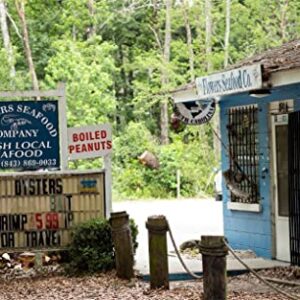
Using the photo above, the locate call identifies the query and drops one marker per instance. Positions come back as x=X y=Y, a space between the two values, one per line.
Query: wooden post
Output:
x=214 y=253
x=122 y=241
x=158 y=253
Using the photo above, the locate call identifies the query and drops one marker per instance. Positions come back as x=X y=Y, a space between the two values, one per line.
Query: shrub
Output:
x=91 y=249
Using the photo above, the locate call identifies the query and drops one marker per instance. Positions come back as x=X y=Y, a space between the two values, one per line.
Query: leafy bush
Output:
x=190 y=151
x=91 y=249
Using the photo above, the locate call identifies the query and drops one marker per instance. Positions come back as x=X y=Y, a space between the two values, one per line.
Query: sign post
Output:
x=108 y=184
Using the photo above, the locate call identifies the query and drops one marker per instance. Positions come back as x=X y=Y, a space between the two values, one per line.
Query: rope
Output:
x=289 y=296
x=179 y=256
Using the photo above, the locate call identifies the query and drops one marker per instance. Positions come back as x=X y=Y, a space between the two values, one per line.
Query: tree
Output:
x=91 y=30
x=164 y=119
x=6 y=39
x=21 y=12
x=227 y=34
x=208 y=35
x=189 y=40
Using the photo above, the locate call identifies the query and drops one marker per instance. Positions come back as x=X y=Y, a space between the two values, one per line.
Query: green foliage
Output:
x=110 y=56
x=88 y=69
x=190 y=152
x=91 y=249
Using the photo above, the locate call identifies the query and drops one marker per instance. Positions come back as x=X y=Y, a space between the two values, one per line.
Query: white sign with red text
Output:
x=89 y=141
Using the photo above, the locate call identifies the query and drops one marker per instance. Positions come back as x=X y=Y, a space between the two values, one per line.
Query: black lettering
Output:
x=52 y=184
x=18 y=187
x=41 y=242
x=55 y=238
x=4 y=240
x=11 y=239
x=15 y=222
x=59 y=186
x=69 y=198
x=27 y=234
x=32 y=187
x=38 y=184
x=4 y=223
x=33 y=239
x=45 y=186
x=49 y=238
x=23 y=222
x=44 y=238
x=24 y=187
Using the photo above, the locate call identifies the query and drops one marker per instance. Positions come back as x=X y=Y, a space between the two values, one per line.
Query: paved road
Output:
x=188 y=218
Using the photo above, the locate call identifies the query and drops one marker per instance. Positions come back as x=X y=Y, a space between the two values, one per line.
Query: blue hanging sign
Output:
x=29 y=135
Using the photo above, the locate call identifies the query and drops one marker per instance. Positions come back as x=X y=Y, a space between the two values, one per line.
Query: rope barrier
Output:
x=262 y=279
x=179 y=256
x=289 y=296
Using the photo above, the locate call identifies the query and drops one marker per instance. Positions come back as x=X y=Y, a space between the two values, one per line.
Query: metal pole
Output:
x=178 y=183
x=158 y=253
x=214 y=251
x=108 y=185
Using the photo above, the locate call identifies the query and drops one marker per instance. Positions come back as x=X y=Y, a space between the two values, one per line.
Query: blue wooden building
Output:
x=259 y=109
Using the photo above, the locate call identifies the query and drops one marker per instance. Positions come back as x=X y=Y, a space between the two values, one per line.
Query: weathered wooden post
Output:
x=122 y=240
x=158 y=252
x=214 y=251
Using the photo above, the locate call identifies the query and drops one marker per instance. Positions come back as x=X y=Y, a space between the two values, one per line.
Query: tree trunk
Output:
x=208 y=35
x=189 y=38
x=91 y=30
x=164 y=118
x=227 y=34
x=283 y=19
x=21 y=12
x=6 y=39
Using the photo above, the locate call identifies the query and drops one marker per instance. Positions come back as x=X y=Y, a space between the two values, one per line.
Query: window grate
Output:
x=243 y=149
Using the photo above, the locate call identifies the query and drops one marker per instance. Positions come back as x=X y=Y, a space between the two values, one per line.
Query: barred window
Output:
x=242 y=176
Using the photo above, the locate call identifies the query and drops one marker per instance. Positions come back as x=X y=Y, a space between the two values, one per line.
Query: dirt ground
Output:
x=108 y=286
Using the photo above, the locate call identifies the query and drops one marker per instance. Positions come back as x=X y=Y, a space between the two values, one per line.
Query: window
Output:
x=242 y=176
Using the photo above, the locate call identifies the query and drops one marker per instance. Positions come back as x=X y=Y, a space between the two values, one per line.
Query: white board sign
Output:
x=235 y=81
x=89 y=141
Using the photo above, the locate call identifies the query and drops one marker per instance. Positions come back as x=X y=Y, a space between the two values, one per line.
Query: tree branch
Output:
x=14 y=25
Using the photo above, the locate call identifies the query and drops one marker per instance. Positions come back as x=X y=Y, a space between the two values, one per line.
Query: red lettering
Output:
x=103 y=134
x=83 y=148
x=38 y=221
x=52 y=221
x=77 y=148
x=81 y=136
x=97 y=135
x=108 y=145
x=71 y=148
x=75 y=137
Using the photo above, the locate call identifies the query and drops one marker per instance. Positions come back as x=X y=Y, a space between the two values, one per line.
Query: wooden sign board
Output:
x=39 y=210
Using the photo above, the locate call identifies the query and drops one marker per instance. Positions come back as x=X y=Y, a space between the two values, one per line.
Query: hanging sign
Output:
x=89 y=141
x=235 y=81
x=29 y=136
x=195 y=113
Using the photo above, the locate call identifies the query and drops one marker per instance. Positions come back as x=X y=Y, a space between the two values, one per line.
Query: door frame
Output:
x=277 y=120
